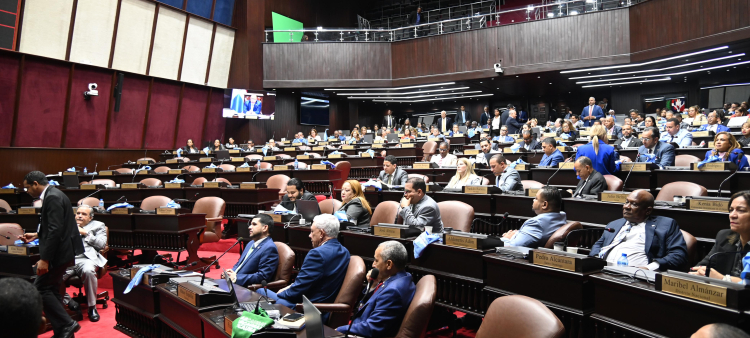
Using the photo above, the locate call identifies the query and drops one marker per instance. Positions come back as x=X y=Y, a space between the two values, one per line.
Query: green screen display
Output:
x=281 y=22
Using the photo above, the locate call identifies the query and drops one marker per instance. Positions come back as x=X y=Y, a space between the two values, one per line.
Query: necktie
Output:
x=615 y=242
x=246 y=257
x=390 y=179
x=672 y=139
x=497 y=181
x=443 y=125
x=591 y=110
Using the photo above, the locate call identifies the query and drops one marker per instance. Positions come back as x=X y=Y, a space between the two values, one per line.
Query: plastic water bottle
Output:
x=296 y=164
x=85 y=171
x=101 y=204
x=258 y=165
x=623 y=261
x=302 y=220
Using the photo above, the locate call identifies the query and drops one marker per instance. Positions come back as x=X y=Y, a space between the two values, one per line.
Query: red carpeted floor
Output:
x=105 y=326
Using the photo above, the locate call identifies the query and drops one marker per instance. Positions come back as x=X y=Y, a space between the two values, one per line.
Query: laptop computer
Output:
x=368 y=138
x=346 y=132
x=308 y=209
x=313 y=320
x=392 y=137
x=222 y=154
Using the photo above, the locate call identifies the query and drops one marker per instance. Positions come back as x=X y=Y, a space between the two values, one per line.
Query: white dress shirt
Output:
x=626 y=141
x=496 y=122
x=634 y=245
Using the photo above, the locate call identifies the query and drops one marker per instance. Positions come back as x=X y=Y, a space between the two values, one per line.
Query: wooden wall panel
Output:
x=133 y=39
x=221 y=57
x=685 y=25
x=87 y=119
x=9 y=64
x=45 y=27
x=197 y=45
x=170 y=29
x=42 y=103
x=92 y=33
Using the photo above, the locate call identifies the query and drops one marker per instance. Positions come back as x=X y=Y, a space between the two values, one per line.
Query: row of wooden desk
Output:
x=356 y=161
x=415 y=150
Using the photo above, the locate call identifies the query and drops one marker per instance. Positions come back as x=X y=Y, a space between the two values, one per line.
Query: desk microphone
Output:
x=637 y=156
x=558 y=169
x=708 y=266
x=114 y=165
x=135 y=173
x=189 y=265
x=257 y=304
x=203 y=278
x=579 y=230
x=726 y=179
x=6 y=237
x=120 y=199
x=91 y=194
x=94 y=173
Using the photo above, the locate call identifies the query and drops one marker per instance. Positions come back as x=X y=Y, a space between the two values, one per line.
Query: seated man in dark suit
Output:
x=260 y=259
x=592 y=182
x=383 y=311
x=628 y=139
x=295 y=190
x=529 y=142
x=322 y=273
x=391 y=173
x=648 y=242
x=536 y=231
x=552 y=156
x=663 y=152
x=612 y=129
x=419 y=210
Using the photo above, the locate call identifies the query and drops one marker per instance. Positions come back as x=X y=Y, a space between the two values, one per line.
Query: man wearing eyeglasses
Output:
x=663 y=152
x=444 y=158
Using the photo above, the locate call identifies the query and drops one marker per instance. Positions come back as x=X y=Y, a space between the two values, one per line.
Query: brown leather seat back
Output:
x=519 y=316
x=213 y=207
x=264 y=165
x=90 y=201
x=428 y=149
x=681 y=188
x=151 y=182
x=350 y=290
x=124 y=170
x=385 y=212
x=254 y=157
x=283 y=156
x=418 y=314
x=278 y=182
x=183 y=159
x=315 y=155
x=162 y=169
x=614 y=183
x=685 y=160
x=530 y=184
x=152 y=202
x=625 y=159
x=300 y=165
x=559 y=235
x=199 y=181
x=692 y=246
x=423 y=177
x=286 y=262
x=329 y=206
x=222 y=179
x=147 y=159
x=345 y=167
x=5 y=205
x=105 y=182
x=457 y=215
x=227 y=167
x=191 y=168
x=11 y=230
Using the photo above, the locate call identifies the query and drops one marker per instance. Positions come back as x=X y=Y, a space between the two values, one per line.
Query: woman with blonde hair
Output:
x=695 y=113
x=314 y=137
x=602 y=155
x=464 y=175
x=728 y=149
x=355 y=137
x=355 y=205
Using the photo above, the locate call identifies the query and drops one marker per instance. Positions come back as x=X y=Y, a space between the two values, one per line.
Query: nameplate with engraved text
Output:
x=531 y=192
x=280 y=167
x=318 y=148
x=377 y=146
x=461 y=241
x=554 y=261
x=347 y=147
x=237 y=159
x=290 y=149
x=165 y=211
x=475 y=189
x=143 y=161
x=567 y=165
x=471 y=151
x=694 y=290
x=187 y=295
x=234 y=151
x=700 y=133
x=243 y=169
x=303 y=157
x=175 y=171
x=206 y=159
x=377 y=141
x=106 y=173
x=421 y=165
x=614 y=196
x=7 y=191
x=130 y=185
x=259 y=150
x=208 y=170
x=173 y=185
x=334 y=155
x=408 y=145
x=406 y=140
x=276 y=218
x=27 y=211
x=549 y=135
x=386 y=232
x=712 y=166
x=708 y=205
x=269 y=158
x=18 y=250
x=120 y=211
x=296 y=144
x=434 y=139
x=319 y=167
x=88 y=186
x=625 y=166
x=323 y=143
x=520 y=167
x=210 y=184
x=169 y=161
x=250 y=186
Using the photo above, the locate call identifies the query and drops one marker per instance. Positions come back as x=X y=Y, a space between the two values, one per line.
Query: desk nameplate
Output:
x=211 y=184
x=475 y=189
x=545 y=135
x=408 y=145
x=106 y=173
x=422 y=165
x=377 y=146
x=142 y=172
x=386 y=232
x=334 y=155
x=208 y=170
x=22 y=250
x=120 y=211
x=296 y=144
x=303 y=157
x=701 y=133
x=714 y=166
x=206 y=159
x=276 y=217
x=697 y=203
x=27 y=211
x=249 y=186
x=173 y=185
x=461 y=241
x=130 y=186
x=168 y=161
x=7 y=191
x=237 y=159
x=319 y=167
x=323 y=143
x=290 y=149
x=165 y=211
x=269 y=158
x=567 y=165
x=405 y=140
x=553 y=261
x=187 y=295
x=347 y=147
x=531 y=192
x=175 y=171
x=280 y=167
x=614 y=196
x=70 y=173
x=637 y=166
x=143 y=162
x=471 y=151
x=520 y=166
x=243 y=169
x=318 y=148
x=88 y=186
x=234 y=151
x=377 y=142
x=694 y=290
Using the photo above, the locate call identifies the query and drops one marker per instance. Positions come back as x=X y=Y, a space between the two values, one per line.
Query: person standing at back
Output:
x=591 y=113
x=59 y=243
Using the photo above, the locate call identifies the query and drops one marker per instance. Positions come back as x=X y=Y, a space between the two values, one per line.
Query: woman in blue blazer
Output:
x=601 y=154
x=728 y=149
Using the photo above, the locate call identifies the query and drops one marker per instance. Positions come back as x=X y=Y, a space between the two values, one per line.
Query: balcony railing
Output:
x=543 y=11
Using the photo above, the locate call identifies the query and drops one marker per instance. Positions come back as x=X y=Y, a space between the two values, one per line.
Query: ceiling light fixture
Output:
x=671 y=74
x=445 y=98
x=396 y=94
x=643 y=63
x=398 y=88
x=653 y=70
x=416 y=97
x=728 y=85
x=622 y=83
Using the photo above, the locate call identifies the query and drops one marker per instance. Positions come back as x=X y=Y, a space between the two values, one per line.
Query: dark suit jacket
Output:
x=534 y=144
x=597 y=113
x=381 y=316
x=461 y=120
x=321 y=274
x=485 y=118
x=504 y=117
x=261 y=265
x=595 y=184
x=664 y=153
x=356 y=212
x=289 y=205
x=664 y=242
x=413 y=18
x=514 y=127
x=399 y=177
x=635 y=142
x=723 y=263
x=394 y=122
x=448 y=124
x=59 y=239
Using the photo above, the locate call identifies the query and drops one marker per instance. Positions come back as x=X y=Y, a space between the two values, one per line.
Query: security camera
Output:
x=498 y=68
x=92 y=91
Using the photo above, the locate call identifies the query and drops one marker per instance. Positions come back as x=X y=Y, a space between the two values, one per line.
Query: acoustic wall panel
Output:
x=221 y=57
x=92 y=32
x=170 y=29
x=134 y=36
x=45 y=27
x=197 y=46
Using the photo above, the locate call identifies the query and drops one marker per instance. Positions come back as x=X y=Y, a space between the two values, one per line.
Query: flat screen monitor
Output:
x=313 y=111
x=249 y=105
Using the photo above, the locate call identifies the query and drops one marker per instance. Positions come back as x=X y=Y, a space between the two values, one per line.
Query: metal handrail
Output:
x=464 y=23
x=469 y=5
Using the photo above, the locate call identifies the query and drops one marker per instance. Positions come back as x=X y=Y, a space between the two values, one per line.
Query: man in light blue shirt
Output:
x=299 y=138
x=536 y=232
x=674 y=134
x=503 y=137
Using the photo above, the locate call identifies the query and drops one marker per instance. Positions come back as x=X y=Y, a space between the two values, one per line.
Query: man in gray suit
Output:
x=419 y=210
x=391 y=173
x=506 y=178
x=94 y=235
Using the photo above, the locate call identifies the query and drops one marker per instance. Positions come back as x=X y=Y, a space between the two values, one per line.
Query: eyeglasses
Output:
x=442 y=150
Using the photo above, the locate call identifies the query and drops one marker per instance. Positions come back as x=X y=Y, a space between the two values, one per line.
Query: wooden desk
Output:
x=29 y=223
x=137 y=311
x=19 y=266
x=624 y=309
x=570 y=295
x=708 y=179
x=232 y=176
x=564 y=177
x=364 y=245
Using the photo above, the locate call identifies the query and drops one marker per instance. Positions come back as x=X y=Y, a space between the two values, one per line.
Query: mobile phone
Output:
x=293 y=317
